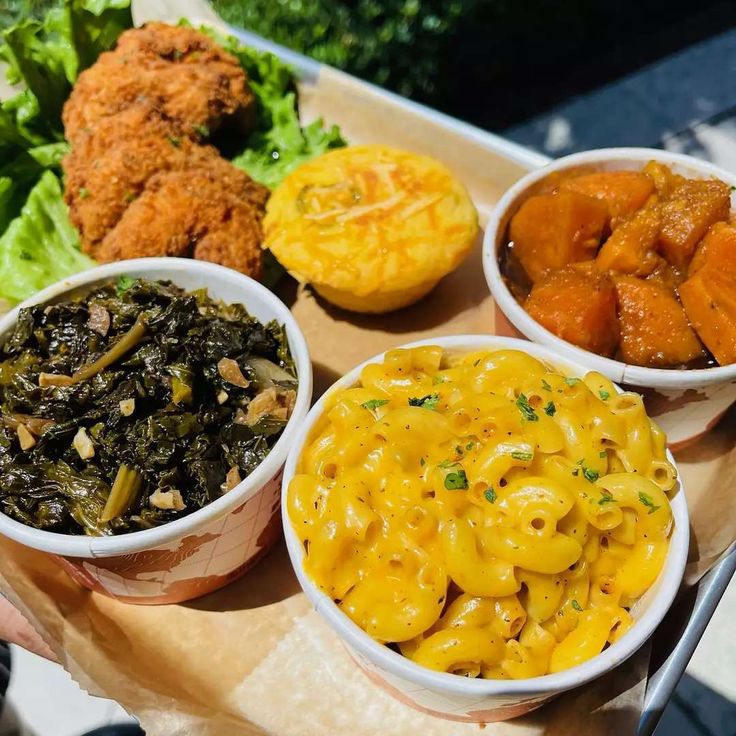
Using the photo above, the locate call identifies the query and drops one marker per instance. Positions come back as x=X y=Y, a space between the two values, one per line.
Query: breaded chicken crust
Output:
x=109 y=166
x=177 y=70
x=137 y=181
x=213 y=214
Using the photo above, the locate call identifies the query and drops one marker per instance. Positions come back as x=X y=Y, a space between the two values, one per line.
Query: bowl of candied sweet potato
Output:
x=625 y=260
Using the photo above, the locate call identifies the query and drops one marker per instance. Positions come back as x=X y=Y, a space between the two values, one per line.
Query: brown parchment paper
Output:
x=253 y=658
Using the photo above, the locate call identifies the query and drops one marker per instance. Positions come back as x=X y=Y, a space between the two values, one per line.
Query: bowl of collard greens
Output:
x=146 y=411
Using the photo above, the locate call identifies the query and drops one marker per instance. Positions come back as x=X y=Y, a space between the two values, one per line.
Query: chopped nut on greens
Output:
x=229 y=371
x=167 y=500
x=25 y=438
x=83 y=444
x=232 y=479
x=135 y=404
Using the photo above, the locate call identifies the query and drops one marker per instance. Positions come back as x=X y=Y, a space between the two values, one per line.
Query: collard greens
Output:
x=134 y=405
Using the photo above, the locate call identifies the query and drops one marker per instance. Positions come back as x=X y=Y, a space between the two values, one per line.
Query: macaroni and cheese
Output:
x=481 y=512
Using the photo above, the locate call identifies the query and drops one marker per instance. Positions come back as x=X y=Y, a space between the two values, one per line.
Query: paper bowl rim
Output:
x=394 y=663
x=658 y=378
x=70 y=545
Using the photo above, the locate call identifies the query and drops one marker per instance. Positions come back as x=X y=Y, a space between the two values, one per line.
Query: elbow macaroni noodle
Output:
x=483 y=513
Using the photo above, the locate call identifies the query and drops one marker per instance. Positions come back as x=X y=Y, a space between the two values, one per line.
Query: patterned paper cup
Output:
x=201 y=552
x=685 y=403
x=461 y=698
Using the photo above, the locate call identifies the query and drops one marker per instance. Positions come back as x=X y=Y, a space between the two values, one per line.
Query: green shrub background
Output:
x=392 y=43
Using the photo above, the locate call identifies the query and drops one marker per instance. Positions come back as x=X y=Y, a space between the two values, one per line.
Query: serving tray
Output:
x=253 y=658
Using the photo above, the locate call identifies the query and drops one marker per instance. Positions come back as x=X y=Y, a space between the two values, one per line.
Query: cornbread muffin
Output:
x=372 y=228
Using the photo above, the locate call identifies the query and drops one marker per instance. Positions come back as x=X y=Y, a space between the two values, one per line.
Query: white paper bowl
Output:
x=460 y=698
x=205 y=550
x=686 y=403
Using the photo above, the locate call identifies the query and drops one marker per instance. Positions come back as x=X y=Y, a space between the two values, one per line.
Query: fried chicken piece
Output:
x=137 y=181
x=213 y=214
x=178 y=70
x=109 y=167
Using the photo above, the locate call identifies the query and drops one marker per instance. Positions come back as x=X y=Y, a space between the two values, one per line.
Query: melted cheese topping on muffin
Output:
x=371 y=227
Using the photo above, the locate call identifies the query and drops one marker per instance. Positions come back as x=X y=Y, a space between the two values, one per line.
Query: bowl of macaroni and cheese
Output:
x=624 y=259
x=483 y=524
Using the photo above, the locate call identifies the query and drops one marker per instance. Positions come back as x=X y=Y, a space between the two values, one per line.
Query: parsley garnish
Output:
x=576 y=605
x=647 y=501
x=606 y=497
x=572 y=381
x=591 y=475
x=602 y=453
x=469 y=446
x=374 y=403
x=422 y=461
x=604 y=395
x=550 y=409
x=129 y=196
x=447 y=464
x=546 y=386
x=456 y=481
x=176 y=142
x=521 y=455
x=429 y=401
x=123 y=284
x=203 y=130
x=83 y=193
x=526 y=409
x=490 y=495
x=438 y=379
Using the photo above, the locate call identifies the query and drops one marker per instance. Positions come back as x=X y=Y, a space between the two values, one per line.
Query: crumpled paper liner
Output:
x=708 y=471
x=253 y=658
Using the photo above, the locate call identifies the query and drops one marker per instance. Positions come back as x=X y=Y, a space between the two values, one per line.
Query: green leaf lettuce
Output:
x=45 y=58
x=40 y=246
x=279 y=144
x=21 y=172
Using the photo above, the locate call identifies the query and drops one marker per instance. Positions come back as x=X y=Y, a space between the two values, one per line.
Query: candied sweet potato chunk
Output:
x=667 y=276
x=709 y=298
x=551 y=230
x=588 y=268
x=631 y=247
x=691 y=209
x=655 y=331
x=624 y=192
x=577 y=306
x=664 y=180
x=718 y=247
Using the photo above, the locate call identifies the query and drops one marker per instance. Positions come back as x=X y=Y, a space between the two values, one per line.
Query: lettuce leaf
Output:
x=272 y=154
x=21 y=172
x=279 y=144
x=46 y=56
x=40 y=246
